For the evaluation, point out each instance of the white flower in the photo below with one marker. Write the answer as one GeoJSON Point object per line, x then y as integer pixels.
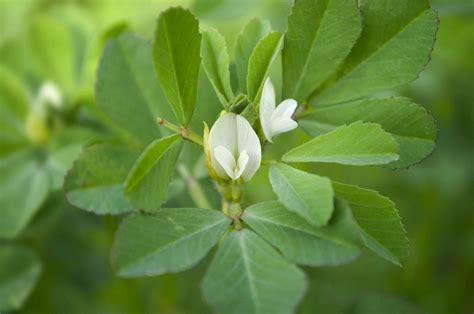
{"type": "Point", "coordinates": [277, 120]}
{"type": "Point", "coordinates": [234, 148]}
{"type": "Point", "coordinates": [50, 94]}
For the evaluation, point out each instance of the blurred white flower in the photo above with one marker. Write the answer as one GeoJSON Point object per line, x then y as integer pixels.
{"type": "Point", "coordinates": [50, 94]}
{"type": "Point", "coordinates": [234, 148]}
{"type": "Point", "coordinates": [37, 126]}
{"type": "Point", "coordinates": [277, 120]}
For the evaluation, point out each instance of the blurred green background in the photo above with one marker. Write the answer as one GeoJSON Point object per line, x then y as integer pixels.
{"type": "Point", "coordinates": [435, 198]}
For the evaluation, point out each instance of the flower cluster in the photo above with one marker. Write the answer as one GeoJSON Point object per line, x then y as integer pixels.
{"type": "Point", "coordinates": [233, 148]}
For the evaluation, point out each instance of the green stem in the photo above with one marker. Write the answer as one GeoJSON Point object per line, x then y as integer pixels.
{"type": "Point", "coordinates": [225, 207]}
{"type": "Point", "coordinates": [231, 195]}
{"type": "Point", "coordinates": [184, 131]}
{"type": "Point", "coordinates": [233, 210]}
{"type": "Point", "coordinates": [195, 190]}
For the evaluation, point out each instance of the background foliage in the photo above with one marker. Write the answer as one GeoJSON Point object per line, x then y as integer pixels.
{"type": "Point", "coordinates": [434, 198]}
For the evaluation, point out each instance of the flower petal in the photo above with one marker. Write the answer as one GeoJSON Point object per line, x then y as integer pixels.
{"type": "Point", "coordinates": [242, 163]}
{"type": "Point", "coordinates": [285, 109]}
{"type": "Point", "coordinates": [223, 133]}
{"type": "Point", "coordinates": [282, 125]}
{"type": "Point", "coordinates": [226, 160]}
{"type": "Point", "coordinates": [266, 108]}
{"type": "Point", "coordinates": [248, 141]}
{"type": "Point", "coordinates": [268, 93]}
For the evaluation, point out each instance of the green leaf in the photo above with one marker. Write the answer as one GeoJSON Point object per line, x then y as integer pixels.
{"type": "Point", "coordinates": [248, 276]}
{"type": "Point", "coordinates": [394, 47]}
{"type": "Point", "coordinates": [410, 124]}
{"type": "Point", "coordinates": [24, 186]}
{"type": "Point", "coordinates": [52, 51]}
{"type": "Point", "coordinates": [308, 195]}
{"type": "Point", "coordinates": [147, 183]}
{"type": "Point", "coordinates": [14, 106]}
{"type": "Point", "coordinates": [381, 226]}
{"type": "Point", "coordinates": [357, 144]}
{"type": "Point", "coordinates": [176, 52]}
{"type": "Point", "coordinates": [127, 89]}
{"type": "Point", "coordinates": [302, 243]}
{"type": "Point", "coordinates": [247, 39]}
{"type": "Point", "coordinates": [95, 182]}
{"type": "Point", "coordinates": [320, 36]}
{"type": "Point", "coordinates": [215, 60]}
{"type": "Point", "coordinates": [20, 269]}
{"type": "Point", "coordinates": [59, 161]}
{"type": "Point", "coordinates": [260, 61]}
{"type": "Point", "coordinates": [171, 240]}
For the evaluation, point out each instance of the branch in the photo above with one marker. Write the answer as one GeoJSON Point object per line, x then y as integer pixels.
{"type": "Point", "coordinates": [186, 133]}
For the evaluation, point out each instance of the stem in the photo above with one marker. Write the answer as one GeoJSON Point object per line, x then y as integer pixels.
{"type": "Point", "coordinates": [184, 131]}
{"type": "Point", "coordinates": [233, 210]}
{"type": "Point", "coordinates": [238, 224]}
{"type": "Point", "coordinates": [169, 125]}
{"type": "Point", "coordinates": [191, 136]}
{"type": "Point", "coordinates": [225, 207]}
{"type": "Point", "coordinates": [195, 190]}
{"type": "Point", "coordinates": [231, 195]}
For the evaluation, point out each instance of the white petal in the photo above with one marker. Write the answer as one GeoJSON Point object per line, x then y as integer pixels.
{"type": "Point", "coordinates": [268, 93]}
{"type": "Point", "coordinates": [242, 164]}
{"type": "Point", "coordinates": [226, 160]}
{"type": "Point", "coordinates": [50, 94]}
{"type": "Point", "coordinates": [285, 109]}
{"type": "Point", "coordinates": [266, 108]}
{"type": "Point", "coordinates": [223, 133]}
{"type": "Point", "coordinates": [248, 140]}
{"type": "Point", "coordinates": [282, 125]}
